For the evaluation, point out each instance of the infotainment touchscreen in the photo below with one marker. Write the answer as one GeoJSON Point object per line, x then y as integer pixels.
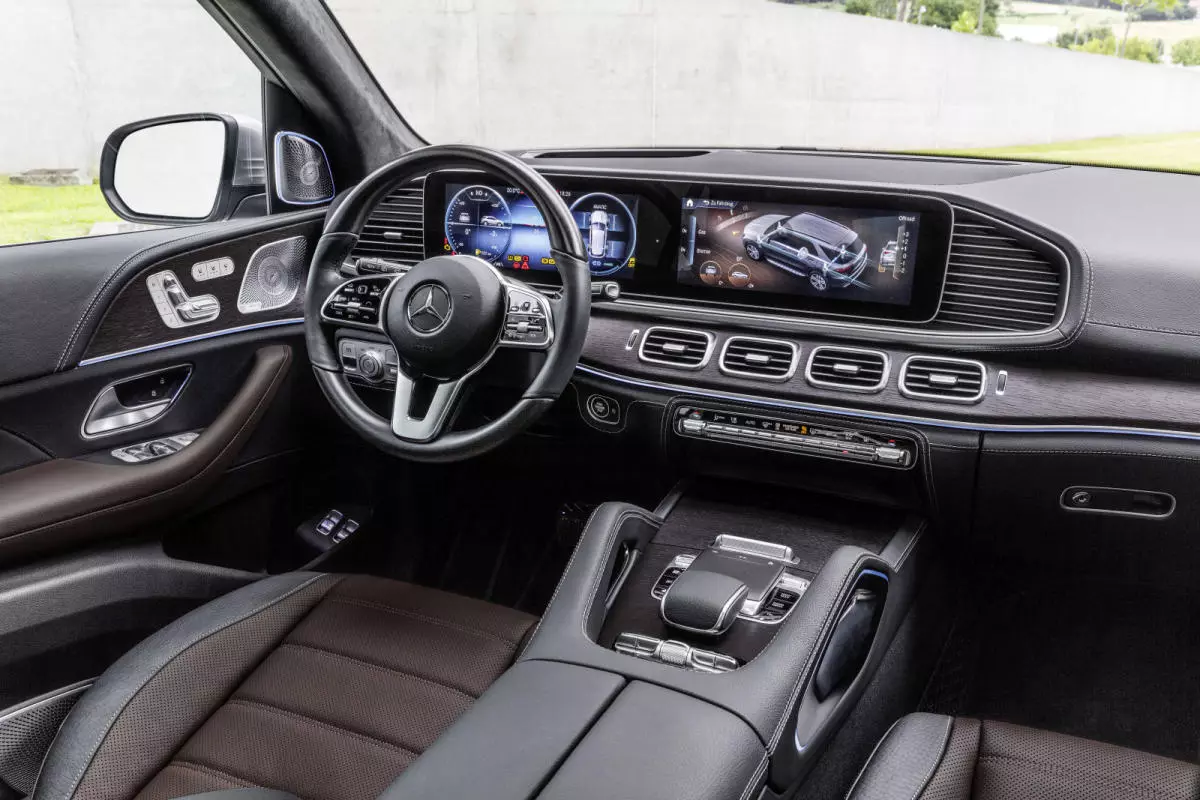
{"type": "Point", "coordinates": [860, 255]}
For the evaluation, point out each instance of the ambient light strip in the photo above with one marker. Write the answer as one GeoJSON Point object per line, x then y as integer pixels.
{"type": "Point", "coordinates": [880, 415]}
{"type": "Point", "coordinates": [150, 348]}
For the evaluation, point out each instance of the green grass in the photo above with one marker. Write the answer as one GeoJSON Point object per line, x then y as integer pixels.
{"type": "Point", "coordinates": [1174, 152]}
{"type": "Point", "coordinates": [39, 213]}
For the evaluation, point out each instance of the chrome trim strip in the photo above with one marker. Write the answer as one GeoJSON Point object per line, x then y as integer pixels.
{"type": "Point", "coordinates": [189, 339]}
{"type": "Point", "coordinates": [787, 376]}
{"type": "Point", "coordinates": [708, 349]}
{"type": "Point", "coordinates": [916, 395]}
{"type": "Point", "coordinates": [882, 416]}
{"type": "Point", "coordinates": [1065, 506]}
{"type": "Point", "coordinates": [887, 370]}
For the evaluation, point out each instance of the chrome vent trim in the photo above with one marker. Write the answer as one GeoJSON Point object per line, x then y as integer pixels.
{"type": "Point", "coordinates": [756, 357]}
{"type": "Point", "coordinates": [682, 348]}
{"type": "Point", "coordinates": [395, 229]}
{"type": "Point", "coordinates": [952, 380]}
{"type": "Point", "coordinates": [850, 369]}
{"type": "Point", "coordinates": [999, 280]}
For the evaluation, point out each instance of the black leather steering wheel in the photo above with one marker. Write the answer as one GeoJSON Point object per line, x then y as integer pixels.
{"type": "Point", "coordinates": [446, 316]}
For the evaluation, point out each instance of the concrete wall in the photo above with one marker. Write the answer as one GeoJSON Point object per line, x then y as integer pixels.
{"type": "Point", "coordinates": [582, 72]}
{"type": "Point", "coordinates": [724, 72]}
{"type": "Point", "coordinates": [73, 70]}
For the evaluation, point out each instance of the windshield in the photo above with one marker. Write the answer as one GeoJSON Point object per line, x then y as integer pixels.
{"type": "Point", "coordinates": [1108, 84]}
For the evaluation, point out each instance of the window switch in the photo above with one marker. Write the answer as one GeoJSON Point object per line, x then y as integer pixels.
{"type": "Point", "coordinates": [329, 522]}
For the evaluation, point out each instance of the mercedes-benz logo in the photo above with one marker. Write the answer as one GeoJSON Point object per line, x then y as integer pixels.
{"type": "Point", "coordinates": [429, 308]}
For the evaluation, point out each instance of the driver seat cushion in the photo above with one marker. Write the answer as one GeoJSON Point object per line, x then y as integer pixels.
{"type": "Point", "coordinates": [323, 686]}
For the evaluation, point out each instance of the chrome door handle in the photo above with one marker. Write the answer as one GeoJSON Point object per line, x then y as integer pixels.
{"type": "Point", "coordinates": [134, 402]}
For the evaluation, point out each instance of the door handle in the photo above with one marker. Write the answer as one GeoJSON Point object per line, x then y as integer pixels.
{"type": "Point", "coordinates": [133, 402]}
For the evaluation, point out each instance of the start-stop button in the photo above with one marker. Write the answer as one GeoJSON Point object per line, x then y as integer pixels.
{"type": "Point", "coordinates": [604, 409]}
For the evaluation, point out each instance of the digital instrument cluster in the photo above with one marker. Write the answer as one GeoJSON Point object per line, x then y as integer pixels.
{"type": "Point", "coordinates": [501, 225]}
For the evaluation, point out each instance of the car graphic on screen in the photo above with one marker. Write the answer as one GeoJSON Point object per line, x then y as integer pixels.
{"type": "Point", "coordinates": [809, 245]}
{"type": "Point", "coordinates": [887, 256]}
{"type": "Point", "coordinates": [598, 234]}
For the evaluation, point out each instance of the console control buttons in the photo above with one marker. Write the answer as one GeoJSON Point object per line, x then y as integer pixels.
{"type": "Point", "coordinates": [526, 319]}
{"type": "Point", "coordinates": [604, 409]}
{"type": "Point", "coordinates": [372, 362]}
{"type": "Point", "coordinates": [155, 448]}
{"type": "Point", "coordinates": [357, 301]}
{"type": "Point", "coordinates": [676, 654]}
{"type": "Point", "coordinates": [678, 565]}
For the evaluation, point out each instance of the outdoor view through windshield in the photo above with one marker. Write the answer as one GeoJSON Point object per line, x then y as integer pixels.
{"type": "Point", "coordinates": [1094, 81]}
{"type": "Point", "coordinates": [1109, 82]}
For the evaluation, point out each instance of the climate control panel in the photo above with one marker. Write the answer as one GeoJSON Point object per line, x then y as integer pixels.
{"type": "Point", "coordinates": [795, 436]}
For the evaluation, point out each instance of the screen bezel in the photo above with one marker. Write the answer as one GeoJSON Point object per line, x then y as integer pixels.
{"type": "Point", "coordinates": [660, 215]}
{"type": "Point", "coordinates": [929, 264]}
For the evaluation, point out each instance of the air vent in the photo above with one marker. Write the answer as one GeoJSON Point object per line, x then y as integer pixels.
{"type": "Point", "coordinates": [395, 231]}
{"type": "Point", "coordinates": [999, 280]}
{"type": "Point", "coordinates": [678, 347]}
{"type": "Point", "coordinates": [848, 368]}
{"type": "Point", "coordinates": [767, 359]}
{"type": "Point", "coordinates": [950, 379]}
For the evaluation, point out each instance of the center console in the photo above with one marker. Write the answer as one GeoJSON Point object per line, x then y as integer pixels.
{"type": "Point", "coordinates": [705, 649]}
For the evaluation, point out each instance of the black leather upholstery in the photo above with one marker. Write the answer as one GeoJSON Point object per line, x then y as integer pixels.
{"type": "Point", "coordinates": [324, 686]}
{"type": "Point", "coordinates": [934, 757]}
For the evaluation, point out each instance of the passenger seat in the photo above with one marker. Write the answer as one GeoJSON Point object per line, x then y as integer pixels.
{"type": "Point", "coordinates": [934, 757]}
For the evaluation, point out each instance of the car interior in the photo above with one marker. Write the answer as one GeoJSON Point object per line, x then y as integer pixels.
{"type": "Point", "coordinates": [430, 470]}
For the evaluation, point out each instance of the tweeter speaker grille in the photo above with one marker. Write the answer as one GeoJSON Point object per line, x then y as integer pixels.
{"type": "Point", "coordinates": [273, 277]}
{"type": "Point", "coordinates": [302, 175]}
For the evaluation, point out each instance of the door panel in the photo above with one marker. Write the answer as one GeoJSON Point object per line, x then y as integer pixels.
{"type": "Point", "coordinates": [89, 317]}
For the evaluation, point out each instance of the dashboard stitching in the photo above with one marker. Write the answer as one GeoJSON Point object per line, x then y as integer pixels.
{"type": "Point", "coordinates": [1178, 331]}
{"type": "Point", "coordinates": [804, 671]}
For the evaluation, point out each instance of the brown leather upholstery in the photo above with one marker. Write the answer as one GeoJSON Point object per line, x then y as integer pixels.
{"type": "Point", "coordinates": [328, 689]}
{"type": "Point", "coordinates": [931, 757]}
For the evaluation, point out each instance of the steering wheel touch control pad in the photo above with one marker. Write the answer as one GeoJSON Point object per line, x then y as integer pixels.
{"type": "Point", "coordinates": [527, 322]}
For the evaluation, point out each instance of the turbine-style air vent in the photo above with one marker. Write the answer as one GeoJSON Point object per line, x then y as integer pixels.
{"type": "Point", "coordinates": [848, 368]}
{"type": "Point", "coordinates": [677, 347]}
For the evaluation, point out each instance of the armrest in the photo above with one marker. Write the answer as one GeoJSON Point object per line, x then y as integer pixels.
{"type": "Point", "coordinates": [513, 737]}
{"type": "Point", "coordinates": [69, 498]}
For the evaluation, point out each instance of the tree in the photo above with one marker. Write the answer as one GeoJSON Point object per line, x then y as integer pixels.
{"type": "Point", "coordinates": [1187, 52]}
{"type": "Point", "coordinates": [1068, 38]}
{"type": "Point", "coordinates": [1134, 7]}
{"type": "Point", "coordinates": [1136, 49]}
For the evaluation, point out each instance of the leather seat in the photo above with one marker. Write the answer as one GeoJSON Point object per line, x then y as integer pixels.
{"type": "Point", "coordinates": [323, 686]}
{"type": "Point", "coordinates": [933, 757]}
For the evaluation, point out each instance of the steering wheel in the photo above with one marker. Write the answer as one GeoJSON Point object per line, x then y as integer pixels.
{"type": "Point", "coordinates": [446, 317]}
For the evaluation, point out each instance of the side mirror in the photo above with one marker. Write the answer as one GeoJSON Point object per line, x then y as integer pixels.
{"type": "Point", "coordinates": [185, 168]}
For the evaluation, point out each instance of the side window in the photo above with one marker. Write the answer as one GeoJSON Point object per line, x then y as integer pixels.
{"type": "Point", "coordinates": [78, 71]}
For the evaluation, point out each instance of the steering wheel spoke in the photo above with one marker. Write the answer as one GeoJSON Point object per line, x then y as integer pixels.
{"type": "Point", "coordinates": [358, 302]}
{"type": "Point", "coordinates": [423, 407]}
{"type": "Point", "coordinates": [528, 317]}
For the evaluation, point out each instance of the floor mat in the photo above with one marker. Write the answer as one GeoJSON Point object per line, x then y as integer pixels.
{"type": "Point", "coordinates": [1105, 662]}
